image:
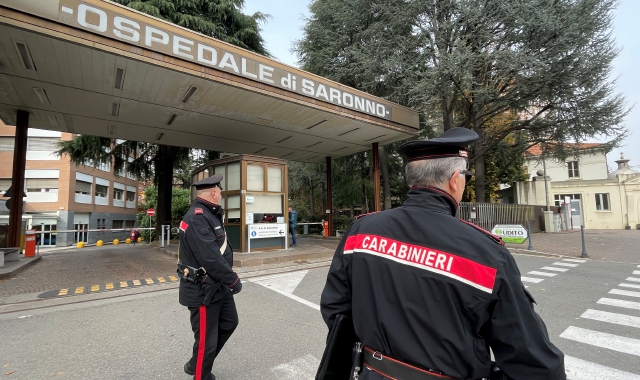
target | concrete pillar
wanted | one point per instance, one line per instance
(65, 222)
(376, 178)
(549, 226)
(17, 180)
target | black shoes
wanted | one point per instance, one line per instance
(188, 369)
(293, 245)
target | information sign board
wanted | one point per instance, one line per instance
(249, 218)
(267, 230)
(511, 233)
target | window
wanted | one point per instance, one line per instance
(102, 191)
(118, 194)
(233, 176)
(129, 223)
(117, 224)
(44, 144)
(7, 143)
(5, 184)
(102, 224)
(131, 196)
(560, 198)
(255, 177)
(573, 169)
(44, 185)
(602, 202)
(83, 187)
(274, 178)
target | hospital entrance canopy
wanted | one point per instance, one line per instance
(97, 68)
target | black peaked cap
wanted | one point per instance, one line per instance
(206, 183)
(452, 143)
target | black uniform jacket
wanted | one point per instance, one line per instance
(427, 289)
(201, 236)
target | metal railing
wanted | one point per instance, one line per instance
(487, 215)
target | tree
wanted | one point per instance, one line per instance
(221, 19)
(180, 203)
(498, 67)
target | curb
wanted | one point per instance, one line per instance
(251, 262)
(20, 268)
(523, 251)
(281, 259)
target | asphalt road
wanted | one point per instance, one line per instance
(592, 317)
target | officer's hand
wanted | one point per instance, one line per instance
(237, 287)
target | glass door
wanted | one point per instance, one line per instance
(81, 233)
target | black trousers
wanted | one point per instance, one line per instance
(212, 326)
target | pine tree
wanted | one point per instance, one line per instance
(468, 63)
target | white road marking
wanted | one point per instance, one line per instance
(285, 284)
(636, 272)
(542, 273)
(531, 279)
(628, 293)
(302, 368)
(565, 264)
(619, 303)
(629, 286)
(575, 260)
(67, 10)
(578, 369)
(605, 316)
(603, 340)
(633, 279)
(555, 269)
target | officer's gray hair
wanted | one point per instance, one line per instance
(434, 172)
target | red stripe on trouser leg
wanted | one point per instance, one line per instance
(201, 341)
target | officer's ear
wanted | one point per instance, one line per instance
(456, 187)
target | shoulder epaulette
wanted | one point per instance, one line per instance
(493, 237)
(363, 215)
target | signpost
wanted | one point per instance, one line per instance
(151, 212)
(267, 230)
(511, 233)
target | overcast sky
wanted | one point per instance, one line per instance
(287, 18)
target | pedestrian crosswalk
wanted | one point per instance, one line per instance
(624, 315)
(559, 267)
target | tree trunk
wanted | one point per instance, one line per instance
(311, 196)
(479, 164)
(164, 179)
(386, 186)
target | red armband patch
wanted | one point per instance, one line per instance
(198, 210)
(183, 226)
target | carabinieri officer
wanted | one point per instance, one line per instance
(430, 294)
(208, 282)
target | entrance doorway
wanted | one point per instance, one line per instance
(81, 235)
(576, 214)
(48, 238)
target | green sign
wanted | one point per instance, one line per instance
(511, 233)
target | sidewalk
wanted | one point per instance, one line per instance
(602, 245)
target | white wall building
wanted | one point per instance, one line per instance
(599, 200)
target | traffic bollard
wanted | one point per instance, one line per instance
(584, 245)
(530, 248)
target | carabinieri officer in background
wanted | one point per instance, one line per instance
(430, 294)
(207, 280)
